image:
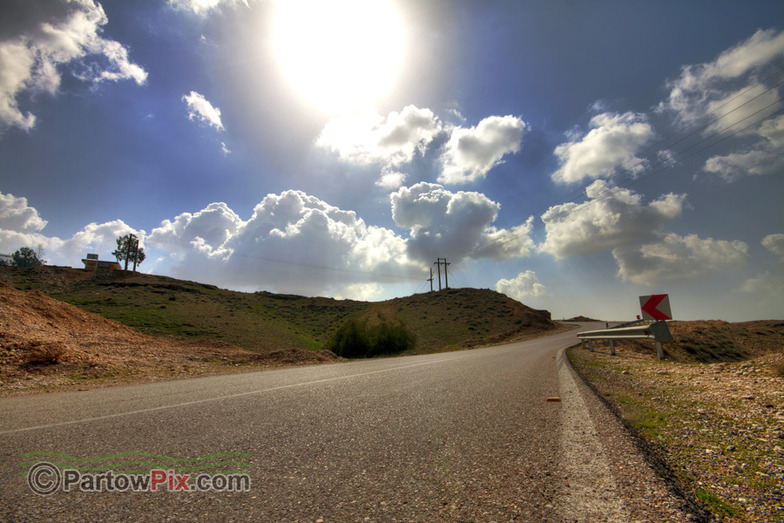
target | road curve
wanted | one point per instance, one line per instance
(461, 436)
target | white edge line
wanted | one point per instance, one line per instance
(218, 398)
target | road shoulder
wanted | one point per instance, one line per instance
(609, 477)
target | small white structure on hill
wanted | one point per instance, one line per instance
(92, 263)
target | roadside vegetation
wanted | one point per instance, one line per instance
(713, 410)
(356, 339)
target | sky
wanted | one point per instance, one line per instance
(572, 155)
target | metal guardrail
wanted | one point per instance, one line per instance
(658, 331)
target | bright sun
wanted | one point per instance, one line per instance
(339, 55)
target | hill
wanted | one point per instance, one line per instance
(263, 321)
(105, 324)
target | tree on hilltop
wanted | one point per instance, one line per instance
(26, 257)
(128, 250)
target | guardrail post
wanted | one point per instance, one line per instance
(583, 342)
(590, 344)
(612, 347)
(659, 350)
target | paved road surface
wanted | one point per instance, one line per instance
(462, 436)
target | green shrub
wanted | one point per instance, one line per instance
(361, 340)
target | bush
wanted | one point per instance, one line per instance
(360, 340)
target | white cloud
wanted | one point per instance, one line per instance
(764, 157)
(399, 138)
(611, 144)
(679, 258)
(61, 35)
(369, 138)
(446, 224)
(293, 242)
(201, 109)
(611, 217)
(391, 180)
(207, 230)
(20, 224)
(471, 153)
(99, 238)
(17, 215)
(775, 244)
(202, 7)
(525, 285)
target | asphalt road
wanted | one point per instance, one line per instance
(461, 436)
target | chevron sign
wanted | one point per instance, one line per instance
(656, 307)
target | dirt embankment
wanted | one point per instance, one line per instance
(45, 342)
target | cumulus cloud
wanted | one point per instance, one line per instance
(293, 242)
(524, 285)
(22, 226)
(397, 139)
(54, 36)
(202, 110)
(612, 143)
(763, 157)
(17, 215)
(369, 138)
(207, 231)
(446, 224)
(775, 244)
(611, 217)
(471, 153)
(679, 258)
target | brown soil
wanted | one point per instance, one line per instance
(47, 343)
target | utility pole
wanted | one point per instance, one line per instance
(438, 263)
(431, 279)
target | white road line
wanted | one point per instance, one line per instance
(217, 398)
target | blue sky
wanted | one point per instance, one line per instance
(573, 155)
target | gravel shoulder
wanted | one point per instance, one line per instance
(713, 431)
(613, 480)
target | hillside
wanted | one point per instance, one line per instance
(263, 321)
(45, 342)
(57, 322)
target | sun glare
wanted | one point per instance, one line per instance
(339, 55)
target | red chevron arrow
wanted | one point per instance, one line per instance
(651, 307)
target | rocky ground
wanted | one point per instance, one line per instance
(715, 428)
